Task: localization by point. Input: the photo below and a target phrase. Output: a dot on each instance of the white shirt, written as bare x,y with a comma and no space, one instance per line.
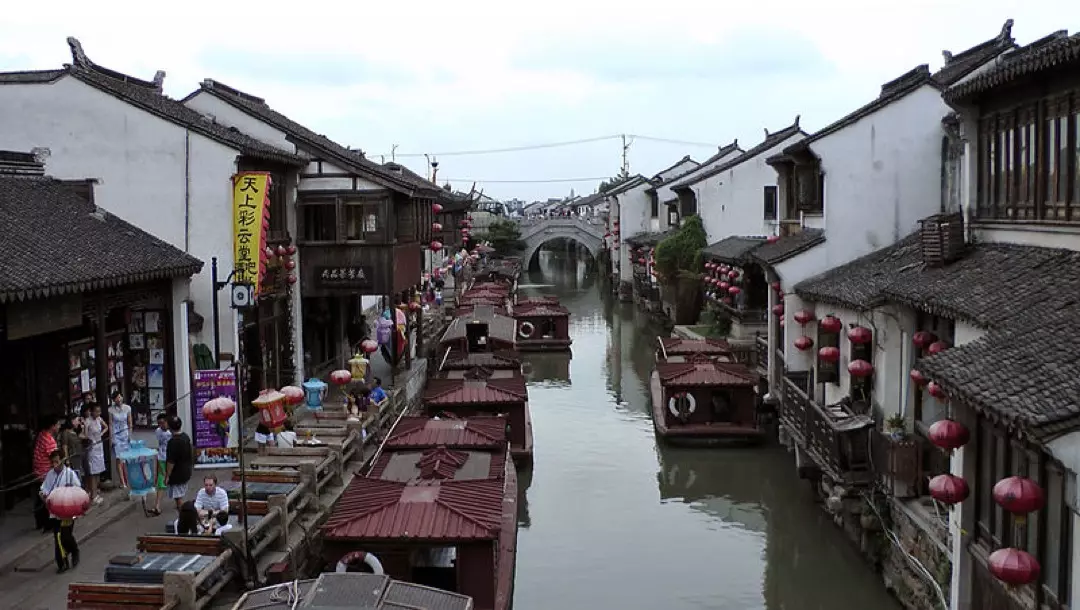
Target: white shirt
218,502
222,529
286,439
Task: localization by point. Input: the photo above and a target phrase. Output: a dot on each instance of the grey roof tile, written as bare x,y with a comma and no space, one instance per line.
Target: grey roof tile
788,246
959,65
733,249
771,140
1058,51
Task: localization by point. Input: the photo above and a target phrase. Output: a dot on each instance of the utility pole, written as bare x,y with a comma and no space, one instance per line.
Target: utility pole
393,153
625,159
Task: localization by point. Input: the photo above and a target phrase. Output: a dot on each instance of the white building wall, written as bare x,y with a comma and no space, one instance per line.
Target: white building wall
633,219
227,114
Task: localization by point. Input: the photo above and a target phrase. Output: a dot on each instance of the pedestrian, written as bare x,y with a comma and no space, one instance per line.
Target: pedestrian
286,439
187,520
163,434
211,499
263,437
120,422
44,446
65,546
96,429
378,394
179,462
71,444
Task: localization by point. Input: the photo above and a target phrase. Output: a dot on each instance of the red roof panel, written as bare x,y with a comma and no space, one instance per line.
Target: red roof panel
472,391
705,374
540,309
374,509
480,432
677,346
498,360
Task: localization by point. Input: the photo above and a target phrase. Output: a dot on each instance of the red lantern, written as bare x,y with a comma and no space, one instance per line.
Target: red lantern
923,338
734,290
436,227
936,391
268,252
281,251
776,286
949,489
831,324
1019,495
722,285
294,395
68,502
829,354
860,334
436,245
804,317
918,377
860,368
436,208
778,309
804,343
290,264
733,274
220,409
937,347
271,406
641,260
781,322
369,346
948,434
726,300
1014,567
340,377
772,239
291,279
290,250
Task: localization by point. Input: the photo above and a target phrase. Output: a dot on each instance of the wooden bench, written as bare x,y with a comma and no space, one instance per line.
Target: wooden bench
254,507
267,476
187,545
108,596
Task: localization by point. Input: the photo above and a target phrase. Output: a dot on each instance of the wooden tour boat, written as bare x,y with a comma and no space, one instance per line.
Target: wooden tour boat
542,326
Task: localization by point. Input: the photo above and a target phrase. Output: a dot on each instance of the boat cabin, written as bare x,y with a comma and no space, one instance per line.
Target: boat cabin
542,327
368,591
705,401
677,349
483,330
485,392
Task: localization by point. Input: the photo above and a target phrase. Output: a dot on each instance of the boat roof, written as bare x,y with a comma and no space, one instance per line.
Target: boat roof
477,432
691,374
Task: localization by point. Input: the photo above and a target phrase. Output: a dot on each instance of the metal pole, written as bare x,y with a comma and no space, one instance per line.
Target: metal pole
248,559
217,317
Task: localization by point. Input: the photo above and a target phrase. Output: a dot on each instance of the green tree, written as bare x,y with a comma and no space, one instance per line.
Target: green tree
679,254
504,236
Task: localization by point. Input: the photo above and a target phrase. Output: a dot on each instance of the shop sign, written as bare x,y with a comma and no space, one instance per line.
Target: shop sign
354,276
216,444
251,217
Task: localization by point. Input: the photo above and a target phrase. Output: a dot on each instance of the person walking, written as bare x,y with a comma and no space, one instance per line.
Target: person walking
120,422
44,446
163,434
71,444
65,546
179,462
95,429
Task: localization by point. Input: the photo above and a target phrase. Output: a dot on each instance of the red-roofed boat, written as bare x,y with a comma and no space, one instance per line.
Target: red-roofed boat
438,508
677,349
705,399
482,391
542,326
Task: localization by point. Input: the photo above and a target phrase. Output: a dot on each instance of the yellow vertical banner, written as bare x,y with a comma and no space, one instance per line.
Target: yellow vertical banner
251,219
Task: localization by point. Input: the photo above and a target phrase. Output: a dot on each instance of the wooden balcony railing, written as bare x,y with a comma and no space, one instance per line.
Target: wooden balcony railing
898,464
761,345
837,440
746,316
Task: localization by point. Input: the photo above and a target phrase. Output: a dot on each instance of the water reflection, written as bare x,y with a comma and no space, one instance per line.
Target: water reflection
524,482
615,521
547,368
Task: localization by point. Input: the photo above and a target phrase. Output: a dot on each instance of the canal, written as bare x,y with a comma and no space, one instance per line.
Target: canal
611,519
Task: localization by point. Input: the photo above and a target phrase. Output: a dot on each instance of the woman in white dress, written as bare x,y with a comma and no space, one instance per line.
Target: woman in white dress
95,428
120,421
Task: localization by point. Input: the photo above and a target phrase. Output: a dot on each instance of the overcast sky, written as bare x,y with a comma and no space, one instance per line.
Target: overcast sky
466,75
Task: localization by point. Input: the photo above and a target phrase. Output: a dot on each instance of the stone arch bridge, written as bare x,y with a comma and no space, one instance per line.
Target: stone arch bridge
537,232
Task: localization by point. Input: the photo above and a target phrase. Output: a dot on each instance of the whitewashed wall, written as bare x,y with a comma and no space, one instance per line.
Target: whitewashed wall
633,219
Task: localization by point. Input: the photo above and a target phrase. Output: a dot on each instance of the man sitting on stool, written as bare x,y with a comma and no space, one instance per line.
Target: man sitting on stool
211,499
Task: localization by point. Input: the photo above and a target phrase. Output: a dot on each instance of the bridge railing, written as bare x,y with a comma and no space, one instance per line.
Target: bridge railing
531,226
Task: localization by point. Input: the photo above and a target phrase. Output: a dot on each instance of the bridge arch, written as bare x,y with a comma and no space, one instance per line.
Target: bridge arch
536,233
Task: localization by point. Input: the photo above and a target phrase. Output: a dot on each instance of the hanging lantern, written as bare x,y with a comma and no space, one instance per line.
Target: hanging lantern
709,265
290,250
436,208
803,317
436,227
281,251
936,390
436,245
781,322
68,502
314,391
290,279
860,335
772,239
1019,496
918,377
268,252
948,434
734,290
271,406
776,286
804,343
294,395
289,264
218,410
641,260
829,354
369,346
937,347
340,377
1014,567
923,338
726,300
722,285
860,368
778,309
831,324
733,274
949,489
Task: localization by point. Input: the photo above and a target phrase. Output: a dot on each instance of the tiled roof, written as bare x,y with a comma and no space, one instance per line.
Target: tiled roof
646,238
500,327
480,432
1027,375
56,242
541,309
416,180
498,288
320,144
1058,51
534,300
439,463
630,183
22,77
375,509
734,249
490,360
677,346
788,246
961,64
685,178
771,140
442,392
688,374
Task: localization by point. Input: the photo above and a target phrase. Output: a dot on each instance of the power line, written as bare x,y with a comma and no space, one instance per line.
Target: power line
492,151
543,181
669,141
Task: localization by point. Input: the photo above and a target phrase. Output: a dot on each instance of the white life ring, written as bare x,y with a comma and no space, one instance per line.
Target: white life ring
672,404
357,557
526,330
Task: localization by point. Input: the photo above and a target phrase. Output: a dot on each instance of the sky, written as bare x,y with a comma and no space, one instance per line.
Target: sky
475,75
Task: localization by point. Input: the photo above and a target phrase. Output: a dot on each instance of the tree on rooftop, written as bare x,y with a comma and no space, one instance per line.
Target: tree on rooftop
504,236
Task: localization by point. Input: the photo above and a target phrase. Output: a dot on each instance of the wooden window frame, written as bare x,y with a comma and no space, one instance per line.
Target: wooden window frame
302,220
771,194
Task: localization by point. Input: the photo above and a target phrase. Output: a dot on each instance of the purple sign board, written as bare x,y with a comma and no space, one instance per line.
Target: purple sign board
216,444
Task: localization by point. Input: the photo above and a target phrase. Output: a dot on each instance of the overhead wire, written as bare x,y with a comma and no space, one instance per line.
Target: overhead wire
540,181
528,147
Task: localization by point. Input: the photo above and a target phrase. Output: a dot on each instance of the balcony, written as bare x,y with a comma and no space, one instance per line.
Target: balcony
835,437
899,464
761,347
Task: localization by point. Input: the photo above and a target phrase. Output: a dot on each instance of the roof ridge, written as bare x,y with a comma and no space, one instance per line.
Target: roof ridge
770,141
1003,38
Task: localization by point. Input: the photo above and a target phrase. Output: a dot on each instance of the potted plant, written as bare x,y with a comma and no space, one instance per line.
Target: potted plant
895,427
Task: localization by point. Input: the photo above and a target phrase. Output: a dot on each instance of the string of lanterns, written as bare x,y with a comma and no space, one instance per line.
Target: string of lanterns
722,282
283,256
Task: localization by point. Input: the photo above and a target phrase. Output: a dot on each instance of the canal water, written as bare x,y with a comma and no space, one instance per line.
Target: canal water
612,519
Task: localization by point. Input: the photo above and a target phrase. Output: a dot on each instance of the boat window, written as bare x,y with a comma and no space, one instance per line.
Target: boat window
721,404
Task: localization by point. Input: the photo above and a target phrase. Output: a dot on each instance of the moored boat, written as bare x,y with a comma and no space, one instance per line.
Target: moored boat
542,326
703,400
677,349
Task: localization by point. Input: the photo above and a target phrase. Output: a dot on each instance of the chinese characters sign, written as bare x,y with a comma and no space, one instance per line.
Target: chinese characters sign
215,444
251,218
356,276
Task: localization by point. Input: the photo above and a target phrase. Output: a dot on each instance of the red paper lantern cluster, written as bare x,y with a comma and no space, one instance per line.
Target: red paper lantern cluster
340,377
949,489
734,290
936,390
776,287
948,434
436,245
804,317
918,377
831,324
284,256
436,227
436,208
1019,496
772,239
804,343
860,335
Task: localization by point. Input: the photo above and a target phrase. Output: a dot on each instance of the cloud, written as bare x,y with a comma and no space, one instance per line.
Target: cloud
316,68
648,56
